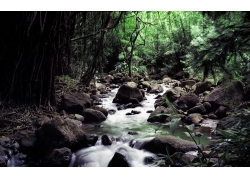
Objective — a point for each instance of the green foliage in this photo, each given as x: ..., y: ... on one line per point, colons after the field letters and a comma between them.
x: 220, y: 46
x: 233, y: 148
x: 68, y: 81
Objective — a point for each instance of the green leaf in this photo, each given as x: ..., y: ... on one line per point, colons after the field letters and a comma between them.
x: 173, y: 124
x: 190, y: 127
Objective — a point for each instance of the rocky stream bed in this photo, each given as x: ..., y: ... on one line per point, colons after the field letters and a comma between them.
x: 119, y: 122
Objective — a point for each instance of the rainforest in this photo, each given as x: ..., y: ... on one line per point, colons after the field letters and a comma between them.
x: 124, y: 89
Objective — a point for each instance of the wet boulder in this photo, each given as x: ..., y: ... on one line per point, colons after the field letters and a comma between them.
x: 161, y: 114
x: 106, y: 141
x: 201, y: 87
x: 228, y: 94
x: 155, y: 88
x: 167, y: 80
x: 145, y: 84
x: 173, y: 144
x: 132, y: 84
x: 106, y: 78
x: 190, y: 100
x: 60, y: 133
x: 207, y: 106
x: 125, y: 93
x: 194, y: 118
x: 118, y: 160
x: 92, y: 115
x: 76, y: 103
x: 221, y: 112
x: 59, y: 157
x: 101, y: 109
x: 79, y: 117
x: 188, y: 83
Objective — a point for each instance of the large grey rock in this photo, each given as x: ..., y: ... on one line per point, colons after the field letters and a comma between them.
x: 161, y: 114
x: 76, y: 103
x: 60, y: 133
x: 229, y: 94
x: 125, y: 93
x: 91, y: 115
x: 174, y: 144
x: 190, y: 100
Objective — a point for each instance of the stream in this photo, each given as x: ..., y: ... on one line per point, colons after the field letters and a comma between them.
x: 125, y: 129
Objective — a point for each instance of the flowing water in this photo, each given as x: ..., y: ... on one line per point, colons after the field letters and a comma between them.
x: 117, y: 127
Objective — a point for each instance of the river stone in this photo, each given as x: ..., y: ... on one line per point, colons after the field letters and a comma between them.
x: 189, y: 99
x: 197, y: 109
x: 207, y: 106
x: 189, y: 83
x: 91, y: 115
x: 101, y: 109
x: 118, y: 160
x: 125, y: 93
x: 59, y: 157
x: 145, y: 84
x: 195, y: 118
x: 167, y: 80
x: 60, y: 133
x: 106, y: 140
x: 221, y: 112
x: 79, y: 117
x: 161, y: 114
x: 174, y: 144
x: 27, y: 144
x: 76, y: 103
x: 202, y: 87
x: 106, y: 78
x: 156, y: 88
x: 132, y: 84
x: 228, y: 94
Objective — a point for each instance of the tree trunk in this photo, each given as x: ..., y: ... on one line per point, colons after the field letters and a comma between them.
x: 30, y: 51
